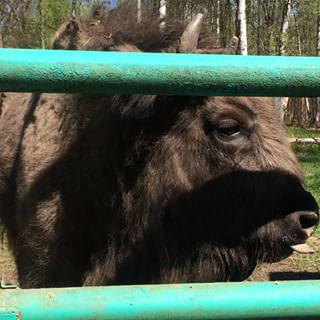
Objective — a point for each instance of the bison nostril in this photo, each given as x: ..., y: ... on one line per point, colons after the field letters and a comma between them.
x: 308, y: 220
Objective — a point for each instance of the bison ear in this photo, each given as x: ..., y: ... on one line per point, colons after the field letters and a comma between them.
x: 67, y: 35
x: 189, y: 39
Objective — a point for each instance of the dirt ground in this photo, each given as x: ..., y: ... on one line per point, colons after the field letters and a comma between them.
x: 296, y: 267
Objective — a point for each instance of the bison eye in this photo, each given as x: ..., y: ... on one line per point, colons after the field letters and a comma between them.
x: 229, y: 132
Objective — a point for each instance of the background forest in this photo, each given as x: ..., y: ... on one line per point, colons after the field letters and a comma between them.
x: 31, y: 23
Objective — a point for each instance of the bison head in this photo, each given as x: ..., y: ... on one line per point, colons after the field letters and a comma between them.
x: 210, y: 183
x: 213, y: 187
x: 198, y: 188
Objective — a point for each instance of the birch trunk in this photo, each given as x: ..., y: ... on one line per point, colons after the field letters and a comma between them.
x: 243, y: 27
x: 162, y: 13
x: 73, y: 7
x: 318, y: 37
x: 42, y: 31
x: 285, y: 27
x: 282, y: 51
x: 218, y: 20
x: 298, y: 34
x: 138, y: 11
x: 318, y: 53
x: 76, y: 8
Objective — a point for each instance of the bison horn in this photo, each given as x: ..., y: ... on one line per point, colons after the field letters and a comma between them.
x: 190, y: 36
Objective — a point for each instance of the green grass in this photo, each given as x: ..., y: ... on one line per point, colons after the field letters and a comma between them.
x: 308, y: 152
x: 302, y: 133
x: 309, y: 158
x: 311, y: 169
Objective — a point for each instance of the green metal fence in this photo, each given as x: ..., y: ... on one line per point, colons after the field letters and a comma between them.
x: 265, y: 300
x: 123, y: 73
x: 154, y: 73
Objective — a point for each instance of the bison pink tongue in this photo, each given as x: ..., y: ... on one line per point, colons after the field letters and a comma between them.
x: 302, y: 248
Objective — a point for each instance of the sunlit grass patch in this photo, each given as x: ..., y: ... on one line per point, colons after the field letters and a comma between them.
x: 302, y: 133
x: 308, y: 155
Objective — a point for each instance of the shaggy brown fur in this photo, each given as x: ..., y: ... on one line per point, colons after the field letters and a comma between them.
x: 107, y: 31
x: 107, y: 189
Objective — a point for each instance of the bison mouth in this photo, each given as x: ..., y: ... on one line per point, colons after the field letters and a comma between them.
x: 308, y: 222
x: 289, y: 234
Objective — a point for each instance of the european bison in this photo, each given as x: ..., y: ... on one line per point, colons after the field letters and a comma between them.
x: 106, y: 189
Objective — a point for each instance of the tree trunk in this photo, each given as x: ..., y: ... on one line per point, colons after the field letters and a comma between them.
x: 76, y: 8
x: 243, y: 27
x: 1, y: 38
x: 318, y: 37
x: 305, y: 111
x: 42, y: 31
x: 282, y: 51
x: 218, y: 20
x: 162, y: 14
x: 318, y: 53
x: 282, y: 106
x: 258, y: 39
x: 285, y: 27
x: 1, y: 46
x: 298, y: 34
x: 138, y: 11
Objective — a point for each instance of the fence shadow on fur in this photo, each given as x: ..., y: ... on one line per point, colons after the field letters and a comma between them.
x: 275, y: 276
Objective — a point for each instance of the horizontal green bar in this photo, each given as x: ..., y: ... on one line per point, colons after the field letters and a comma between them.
x: 265, y: 300
x: 25, y: 70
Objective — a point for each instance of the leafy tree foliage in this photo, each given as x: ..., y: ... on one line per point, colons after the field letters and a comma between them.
x: 21, y: 19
